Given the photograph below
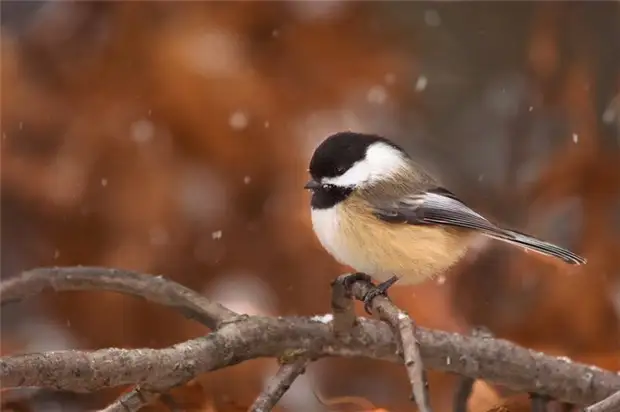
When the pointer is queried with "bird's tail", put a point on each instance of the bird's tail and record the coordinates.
(539, 246)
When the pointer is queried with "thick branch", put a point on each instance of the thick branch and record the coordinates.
(156, 289)
(278, 385)
(496, 360)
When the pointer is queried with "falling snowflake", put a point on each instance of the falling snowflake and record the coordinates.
(377, 95)
(421, 84)
(238, 120)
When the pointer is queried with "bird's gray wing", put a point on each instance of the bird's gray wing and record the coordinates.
(437, 206)
(441, 207)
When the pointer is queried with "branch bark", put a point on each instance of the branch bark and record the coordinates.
(609, 404)
(401, 324)
(133, 401)
(242, 338)
(156, 289)
(278, 385)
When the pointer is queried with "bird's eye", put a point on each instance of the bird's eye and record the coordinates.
(340, 169)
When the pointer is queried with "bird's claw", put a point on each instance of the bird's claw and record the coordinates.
(379, 290)
(348, 280)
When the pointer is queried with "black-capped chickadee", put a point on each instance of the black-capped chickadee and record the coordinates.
(374, 209)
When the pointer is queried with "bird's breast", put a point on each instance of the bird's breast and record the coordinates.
(381, 249)
(326, 224)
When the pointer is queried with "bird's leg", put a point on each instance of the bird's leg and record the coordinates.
(380, 289)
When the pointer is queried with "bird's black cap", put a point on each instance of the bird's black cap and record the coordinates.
(338, 152)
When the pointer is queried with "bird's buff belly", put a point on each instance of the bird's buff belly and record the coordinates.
(413, 253)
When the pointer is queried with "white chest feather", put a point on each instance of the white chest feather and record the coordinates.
(326, 224)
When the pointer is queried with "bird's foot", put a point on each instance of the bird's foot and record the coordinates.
(348, 280)
(378, 290)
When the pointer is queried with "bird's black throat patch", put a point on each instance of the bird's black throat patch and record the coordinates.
(329, 196)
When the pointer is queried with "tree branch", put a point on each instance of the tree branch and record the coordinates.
(133, 401)
(400, 322)
(157, 370)
(278, 385)
(465, 386)
(539, 403)
(609, 404)
(156, 289)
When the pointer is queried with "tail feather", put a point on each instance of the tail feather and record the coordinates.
(538, 246)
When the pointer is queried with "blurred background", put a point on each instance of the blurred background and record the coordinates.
(173, 138)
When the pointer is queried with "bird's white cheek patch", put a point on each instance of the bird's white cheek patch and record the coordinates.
(381, 161)
(359, 173)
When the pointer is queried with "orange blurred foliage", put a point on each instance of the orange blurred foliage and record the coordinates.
(173, 138)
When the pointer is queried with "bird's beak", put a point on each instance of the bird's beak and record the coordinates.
(312, 185)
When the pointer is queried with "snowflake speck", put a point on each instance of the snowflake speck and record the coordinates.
(104, 182)
(432, 18)
(575, 138)
(142, 131)
(216, 235)
(377, 95)
(238, 120)
(323, 318)
(158, 236)
(421, 84)
(247, 180)
(390, 78)
(441, 280)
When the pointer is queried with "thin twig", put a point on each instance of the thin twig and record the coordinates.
(539, 402)
(133, 401)
(170, 403)
(278, 385)
(609, 404)
(408, 345)
(466, 384)
(463, 393)
(156, 289)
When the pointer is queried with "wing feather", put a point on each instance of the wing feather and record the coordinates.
(441, 207)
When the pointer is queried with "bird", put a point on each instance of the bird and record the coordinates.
(376, 210)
